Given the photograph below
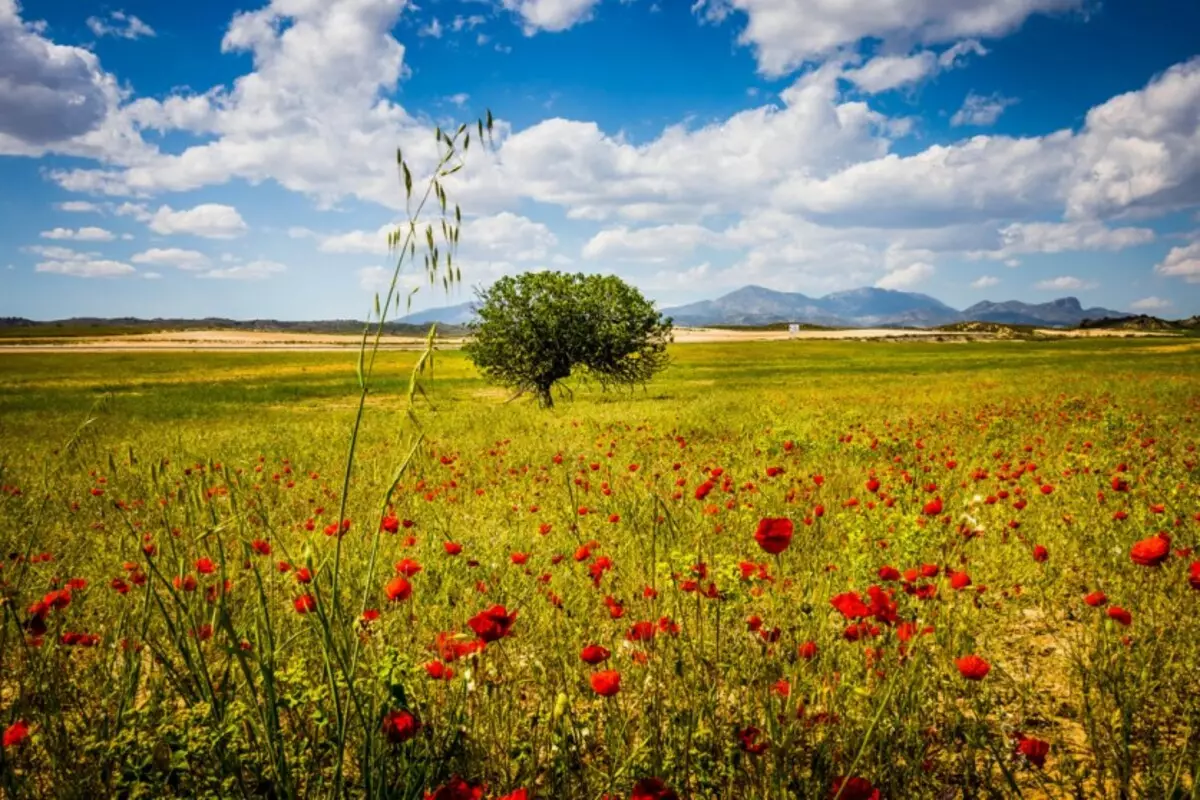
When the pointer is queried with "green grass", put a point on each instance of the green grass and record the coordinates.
(194, 453)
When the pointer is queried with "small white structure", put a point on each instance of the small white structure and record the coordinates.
(793, 328)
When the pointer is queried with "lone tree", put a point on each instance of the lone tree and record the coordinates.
(536, 329)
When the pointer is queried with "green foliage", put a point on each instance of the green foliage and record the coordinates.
(536, 329)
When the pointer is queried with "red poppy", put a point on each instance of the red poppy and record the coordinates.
(1040, 554)
(853, 788)
(606, 683)
(774, 535)
(457, 789)
(519, 558)
(1118, 614)
(16, 734)
(452, 548)
(652, 789)
(400, 726)
(933, 507)
(960, 580)
(1096, 599)
(1194, 575)
(888, 574)
(748, 741)
(1034, 750)
(808, 651)
(438, 671)
(972, 667)
(703, 489)
(850, 605)
(398, 589)
(493, 624)
(1151, 552)
(205, 566)
(594, 654)
(305, 603)
(519, 794)
(407, 567)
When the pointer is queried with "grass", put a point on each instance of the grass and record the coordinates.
(148, 466)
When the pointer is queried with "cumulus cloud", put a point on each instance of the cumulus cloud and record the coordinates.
(886, 72)
(121, 25)
(550, 15)
(985, 282)
(906, 277)
(78, 264)
(500, 236)
(88, 234)
(172, 257)
(1019, 238)
(79, 206)
(1182, 262)
(981, 110)
(49, 92)
(787, 33)
(209, 220)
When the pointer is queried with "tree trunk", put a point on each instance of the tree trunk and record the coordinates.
(545, 398)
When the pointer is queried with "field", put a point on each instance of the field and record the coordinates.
(808, 569)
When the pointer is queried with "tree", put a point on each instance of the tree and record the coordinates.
(536, 329)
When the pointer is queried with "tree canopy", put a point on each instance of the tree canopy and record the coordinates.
(537, 329)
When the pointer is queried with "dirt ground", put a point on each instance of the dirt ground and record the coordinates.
(259, 341)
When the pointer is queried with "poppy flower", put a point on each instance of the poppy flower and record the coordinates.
(1118, 614)
(652, 789)
(398, 589)
(702, 491)
(407, 567)
(888, 574)
(305, 603)
(16, 734)
(853, 788)
(1194, 575)
(594, 654)
(774, 535)
(519, 794)
(1040, 554)
(748, 741)
(960, 580)
(493, 624)
(457, 789)
(519, 558)
(452, 548)
(606, 683)
(1096, 599)
(807, 651)
(850, 605)
(205, 566)
(438, 671)
(1034, 750)
(400, 726)
(1151, 552)
(933, 507)
(972, 667)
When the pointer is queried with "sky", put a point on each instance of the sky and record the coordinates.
(238, 159)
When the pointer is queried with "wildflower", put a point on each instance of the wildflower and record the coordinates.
(407, 567)
(652, 789)
(1041, 554)
(398, 589)
(1118, 614)
(594, 654)
(1151, 552)
(16, 734)
(305, 603)
(606, 683)
(748, 741)
(1034, 750)
(1096, 599)
(400, 726)
(972, 667)
(853, 788)
(774, 535)
(807, 651)
(493, 624)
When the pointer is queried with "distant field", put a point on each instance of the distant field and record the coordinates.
(621, 520)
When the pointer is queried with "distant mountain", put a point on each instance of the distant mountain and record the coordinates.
(871, 306)
(460, 315)
(1063, 312)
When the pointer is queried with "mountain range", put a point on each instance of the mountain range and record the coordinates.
(856, 308)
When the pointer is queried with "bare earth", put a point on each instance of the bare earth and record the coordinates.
(263, 341)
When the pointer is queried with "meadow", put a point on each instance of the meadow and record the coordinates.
(784, 569)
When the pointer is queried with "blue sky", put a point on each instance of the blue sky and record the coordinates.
(237, 158)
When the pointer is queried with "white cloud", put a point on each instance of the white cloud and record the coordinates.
(374, 279)
(985, 282)
(550, 15)
(1150, 304)
(906, 277)
(152, 276)
(433, 29)
(86, 268)
(1058, 237)
(79, 206)
(653, 245)
(505, 235)
(253, 271)
(787, 33)
(50, 93)
(88, 234)
(981, 110)
(1064, 283)
(461, 23)
(886, 72)
(209, 220)
(1182, 262)
(372, 242)
(172, 257)
(120, 24)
